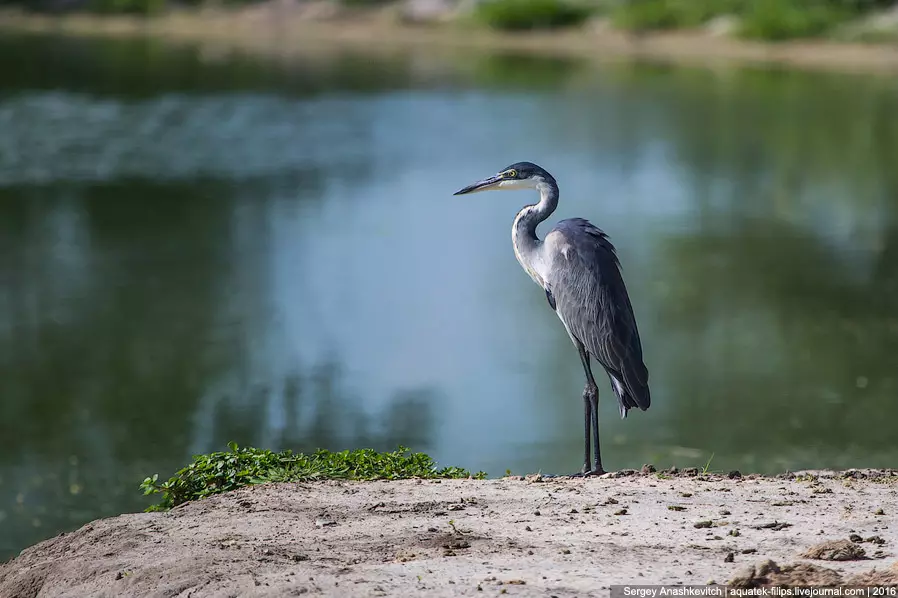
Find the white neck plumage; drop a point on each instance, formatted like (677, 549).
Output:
(523, 231)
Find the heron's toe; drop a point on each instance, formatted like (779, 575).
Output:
(595, 472)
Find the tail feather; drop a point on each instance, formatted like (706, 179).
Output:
(632, 392)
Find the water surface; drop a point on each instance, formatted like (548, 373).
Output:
(194, 251)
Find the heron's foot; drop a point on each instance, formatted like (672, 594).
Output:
(587, 471)
(584, 474)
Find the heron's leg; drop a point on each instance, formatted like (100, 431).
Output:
(595, 430)
(591, 408)
(587, 416)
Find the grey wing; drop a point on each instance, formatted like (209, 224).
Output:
(590, 297)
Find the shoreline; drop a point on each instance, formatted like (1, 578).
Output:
(522, 536)
(279, 30)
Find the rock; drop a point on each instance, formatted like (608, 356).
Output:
(877, 26)
(319, 10)
(426, 11)
(769, 573)
(836, 550)
(722, 26)
(599, 25)
(881, 577)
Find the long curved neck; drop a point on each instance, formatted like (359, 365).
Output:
(523, 231)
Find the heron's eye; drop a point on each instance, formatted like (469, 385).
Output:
(511, 173)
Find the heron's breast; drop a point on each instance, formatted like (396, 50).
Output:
(529, 262)
(528, 268)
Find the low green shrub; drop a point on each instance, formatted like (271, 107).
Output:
(758, 19)
(671, 14)
(225, 471)
(140, 7)
(518, 15)
(777, 20)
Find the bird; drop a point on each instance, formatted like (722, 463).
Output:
(578, 268)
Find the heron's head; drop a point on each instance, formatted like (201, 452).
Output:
(521, 175)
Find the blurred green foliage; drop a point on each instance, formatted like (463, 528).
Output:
(772, 20)
(784, 19)
(135, 7)
(145, 7)
(758, 19)
(225, 471)
(671, 14)
(519, 15)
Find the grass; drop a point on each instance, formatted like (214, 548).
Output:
(771, 20)
(707, 466)
(644, 15)
(522, 15)
(220, 472)
(777, 20)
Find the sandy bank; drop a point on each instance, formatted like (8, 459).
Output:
(282, 28)
(556, 537)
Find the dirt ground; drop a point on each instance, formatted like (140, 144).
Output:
(516, 536)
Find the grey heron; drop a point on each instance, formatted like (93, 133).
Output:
(578, 268)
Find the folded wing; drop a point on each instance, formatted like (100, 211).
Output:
(590, 297)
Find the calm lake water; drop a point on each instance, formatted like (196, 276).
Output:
(197, 248)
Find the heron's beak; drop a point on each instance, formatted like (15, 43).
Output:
(484, 185)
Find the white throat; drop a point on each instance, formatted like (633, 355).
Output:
(516, 184)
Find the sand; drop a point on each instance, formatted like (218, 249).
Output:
(518, 536)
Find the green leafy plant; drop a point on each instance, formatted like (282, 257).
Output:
(228, 470)
(138, 7)
(771, 20)
(777, 20)
(518, 15)
(671, 14)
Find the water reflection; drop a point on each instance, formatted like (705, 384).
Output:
(193, 253)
